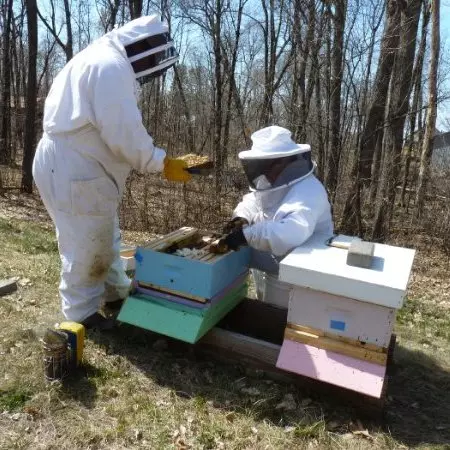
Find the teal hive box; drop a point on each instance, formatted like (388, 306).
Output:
(179, 320)
(190, 278)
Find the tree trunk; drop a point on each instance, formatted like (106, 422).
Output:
(417, 93)
(30, 121)
(218, 94)
(5, 132)
(136, 8)
(376, 114)
(334, 151)
(427, 147)
(17, 127)
(187, 114)
(301, 95)
(269, 63)
(231, 69)
(352, 215)
(69, 44)
(320, 138)
(400, 90)
(237, 101)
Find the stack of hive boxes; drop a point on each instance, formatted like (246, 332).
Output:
(183, 294)
(340, 317)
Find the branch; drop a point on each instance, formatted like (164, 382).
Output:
(46, 61)
(52, 31)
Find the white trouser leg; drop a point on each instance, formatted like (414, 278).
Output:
(117, 282)
(82, 202)
(86, 254)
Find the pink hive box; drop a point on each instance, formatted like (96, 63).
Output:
(331, 367)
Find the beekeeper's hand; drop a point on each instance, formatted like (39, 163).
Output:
(235, 224)
(174, 170)
(235, 239)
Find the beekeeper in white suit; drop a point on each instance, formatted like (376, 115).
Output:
(286, 205)
(93, 136)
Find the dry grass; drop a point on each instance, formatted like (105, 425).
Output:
(140, 391)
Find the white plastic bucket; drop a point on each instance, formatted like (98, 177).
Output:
(270, 290)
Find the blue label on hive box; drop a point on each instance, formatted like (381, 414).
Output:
(337, 325)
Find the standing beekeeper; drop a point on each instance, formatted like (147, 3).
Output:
(93, 136)
(285, 206)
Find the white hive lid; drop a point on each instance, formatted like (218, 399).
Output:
(317, 266)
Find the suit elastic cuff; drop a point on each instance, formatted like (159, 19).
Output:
(157, 162)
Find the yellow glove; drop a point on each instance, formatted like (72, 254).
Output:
(174, 170)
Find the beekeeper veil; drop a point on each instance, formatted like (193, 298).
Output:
(275, 159)
(148, 46)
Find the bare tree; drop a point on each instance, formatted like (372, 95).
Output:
(412, 144)
(305, 49)
(52, 27)
(430, 126)
(30, 122)
(372, 135)
(107, 11)
(18, 83)
(351, 220)
(135, 8)
(400, 89)
(5, 111)
(230, 56)
(334, 151)
(276, 42)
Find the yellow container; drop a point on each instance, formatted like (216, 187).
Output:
(75, 332)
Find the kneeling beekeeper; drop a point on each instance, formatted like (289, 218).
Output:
(93, 136)
(285, 206)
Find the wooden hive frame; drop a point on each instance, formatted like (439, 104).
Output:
(339, 344)
(184, 237)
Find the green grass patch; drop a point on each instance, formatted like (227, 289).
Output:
(100, 375)
(426, 316)
(27, 237)
(13, 400)
(311, 430)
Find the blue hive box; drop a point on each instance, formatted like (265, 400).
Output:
(196, 279)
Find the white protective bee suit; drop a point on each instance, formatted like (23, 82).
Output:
(281, 216)
(93, 136)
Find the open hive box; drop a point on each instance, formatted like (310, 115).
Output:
(182, 289)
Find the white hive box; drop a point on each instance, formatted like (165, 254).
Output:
(349, 301)
(364, 322)
(317, 266)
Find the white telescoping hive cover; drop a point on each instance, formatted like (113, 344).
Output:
(317, 266)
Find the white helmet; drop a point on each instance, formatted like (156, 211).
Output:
(275, 159)
(148, 45)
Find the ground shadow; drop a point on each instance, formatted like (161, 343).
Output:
(417, 411)
(80, 385)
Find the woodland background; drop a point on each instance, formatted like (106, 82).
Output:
(361, 81)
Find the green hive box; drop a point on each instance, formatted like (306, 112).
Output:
(179, 320)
